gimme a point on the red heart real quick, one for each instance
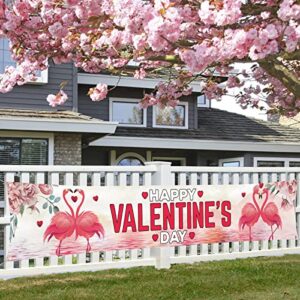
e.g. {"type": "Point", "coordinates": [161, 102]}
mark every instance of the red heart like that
{"type": "Point", "coordinates": [261, 185]}
{"type": "Point", "coordinates": [243, 194]}
{"type": "Point", "coordinates": [192, 235]}
{"type": "Point", "coordinates": [95, 198]}
{"type": "Point", "coordinates": [74, 198]}
{"type": "Point", "coordinates": [39, 223]}
{"type": "Point", "coordinates": [154, 237]}
{"type": "Point", "coordinates": [145, 195]}
{"type": "Point", "coordinates": [200, 193]}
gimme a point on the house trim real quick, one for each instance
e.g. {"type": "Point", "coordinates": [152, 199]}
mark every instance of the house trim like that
{"type": "Point", "coordinates": [57, 125]}
{"type": "Point", "coordinates": [192, 144]}
{"type": "Point", "coordinates": [36, 135]}
{"type": "Point", "coordinates": [126, 100]}
{"type": "Point", "coordinates": [147, 83]}
{"type": "Point", "coordinates": [186, 118]}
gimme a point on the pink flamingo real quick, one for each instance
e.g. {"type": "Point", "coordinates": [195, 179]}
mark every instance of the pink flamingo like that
{"type": "Point", "coordinates": [250, 216]}
{"type": "Point", "coordinates": [87, 224]}
{"type": "Point", "coordinates": [63, 224]}
{"type": "Point", "coordinates": [270, 215]}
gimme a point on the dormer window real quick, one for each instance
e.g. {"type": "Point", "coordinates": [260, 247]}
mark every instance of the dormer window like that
{"type": "Point", "coordinates": [127, 112]}
{"type": "Point", "coordinates": [170, 117]}
{"type": "Point", "coordinates": [202, 101]}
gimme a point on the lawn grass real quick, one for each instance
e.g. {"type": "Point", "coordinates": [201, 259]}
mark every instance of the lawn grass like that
{"type": "Point", "coordinates": [257, 278]}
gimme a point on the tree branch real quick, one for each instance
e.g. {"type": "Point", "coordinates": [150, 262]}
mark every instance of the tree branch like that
{"type": "Point", "coordinates": [276, 69]}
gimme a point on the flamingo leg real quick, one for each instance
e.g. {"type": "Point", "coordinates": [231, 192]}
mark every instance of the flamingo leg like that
{"type": "Point", "coordinates": [58, 248]}
{"type": "Point", "coordinates": [271, 237]}
{"type": "Point", "coordinates": [88, 246]}
{"type": "Point", "coordinates": [250, 235]}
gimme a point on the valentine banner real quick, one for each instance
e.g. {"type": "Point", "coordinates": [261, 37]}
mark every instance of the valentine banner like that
{"type": "Point", "coordinates": [58, 220]}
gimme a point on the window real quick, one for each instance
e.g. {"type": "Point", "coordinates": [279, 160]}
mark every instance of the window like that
{"type": "Point", "coordinates": [14, 151]}
{"type": "Point", "coordinates": [202, 101]}
{"type": "Point", "coordinates": [276, 162]}
{"type": "Point", "coordinates": [127, 112]}
{"type": "Point", "coordinates": [6, 60]}
{"type": "Point", "coordinates": [130, 161]}
{"type": "Point", "coordinates": [171, 117]}
{"type": "Point", "coordinates": [232, 162]}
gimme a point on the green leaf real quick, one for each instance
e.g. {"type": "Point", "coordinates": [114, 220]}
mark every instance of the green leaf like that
{"type": "Point", "coordinates": [22, 209]}
{"type": "Point", "coordinates": [45, 205]}
{"type": "Point", "coordinates": [57, 199]}
{"type": "Point", "coordinates": [50, 209]}
{"type": "Point", "coordinates": [55, 209]}
{"type": "Point", "coordinates": [15, 221]}
{"type": "Point", "coordinates": [52, 197]}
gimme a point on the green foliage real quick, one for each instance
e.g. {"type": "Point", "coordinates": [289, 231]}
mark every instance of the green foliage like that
{"type": "Point", "coordinates": [241, 279]}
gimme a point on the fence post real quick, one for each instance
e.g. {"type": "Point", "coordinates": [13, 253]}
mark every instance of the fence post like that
{"type": "Point", "coordinates": [162, 176]}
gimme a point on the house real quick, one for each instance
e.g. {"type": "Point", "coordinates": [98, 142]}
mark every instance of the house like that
{"type": "Point", "coordinates": [116, 132]}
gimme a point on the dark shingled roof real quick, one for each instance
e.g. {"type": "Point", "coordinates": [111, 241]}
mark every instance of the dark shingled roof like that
{"type": "Point", "coordinates": [215, 124]}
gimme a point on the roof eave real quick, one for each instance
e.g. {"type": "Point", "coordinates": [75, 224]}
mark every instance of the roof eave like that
{"type": "Point", "coordinates": [54, 125]}
{"type": "Point", "coordinates": [192, 144]}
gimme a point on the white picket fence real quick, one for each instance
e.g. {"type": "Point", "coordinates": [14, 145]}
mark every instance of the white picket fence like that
{"type": "Point", "coordinates": [154, 173]}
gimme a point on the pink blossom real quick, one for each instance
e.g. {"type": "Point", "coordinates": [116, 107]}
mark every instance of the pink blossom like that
{"type": "Point", "coordinates": [58, 99]}
{"type": "Point", "coordinates": [99, 92]}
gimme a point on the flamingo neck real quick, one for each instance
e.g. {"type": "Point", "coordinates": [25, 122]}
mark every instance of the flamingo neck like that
{"type": "Point", "coordinates": [264, 203]}
{"type": "Point", "coordinates": [255, 203]}
{"type": "Point", "coordinates": [79, 206]}
{"type": "Point", "coordinates": [70, 207]}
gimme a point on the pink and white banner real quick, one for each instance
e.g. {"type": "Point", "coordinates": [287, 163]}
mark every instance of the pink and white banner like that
{"type": "Point", "coordinates": [58, 220]}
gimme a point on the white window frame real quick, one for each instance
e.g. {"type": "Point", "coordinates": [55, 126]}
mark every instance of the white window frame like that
{"type": "Point", "coordinates": [186, 121]}
{"type": "Point", "coordinates": [42, 79]}
{"type": "Point", "coordinates": [128, 155]}
{"type": "Point", "coordinates": [117, 99]}
{"type": "Point", "coordinates": [33, 135]}
{"type": "Point", "coordinates": [162, 158]}
{"type": "Point", "coordinates": [240, 159]}
{"type": "Point", "coordinates": [285, 160]}
{"type": "Point", "coordinates": [206, 104]}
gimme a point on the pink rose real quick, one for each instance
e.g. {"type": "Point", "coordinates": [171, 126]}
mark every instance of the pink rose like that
{"type": "Point", "coordinates": [14, 197]}
{"type": "Point", "coordinates": [46, 189]}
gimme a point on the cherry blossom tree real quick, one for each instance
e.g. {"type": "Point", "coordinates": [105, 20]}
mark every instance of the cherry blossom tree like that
{"type": "Point", "coordinates": [179, 41]}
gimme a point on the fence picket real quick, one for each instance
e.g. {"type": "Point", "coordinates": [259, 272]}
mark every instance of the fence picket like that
{"type": "Point", "coordinates": [69, 181]}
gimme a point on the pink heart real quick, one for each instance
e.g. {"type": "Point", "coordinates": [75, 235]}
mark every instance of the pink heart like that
{"type": "Point", "coordinates": [95, 198]}
{"type": "Point", "coordinates": [261, 185]}
{"type": "Point", "coordinates": [74, 198]}
{"type": "Point", "coordinates": [192, 235]}
{"type": "Point", "coordinates": [155, 237]}
{"type": "Point", "coordinates": [200, 193]}
{"type": "Point", "coordinates": [145, 195]}
{"type": "Point", "coordinates": [39, 223]}
{"type": "Point", "coordinates": [243, 194]}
